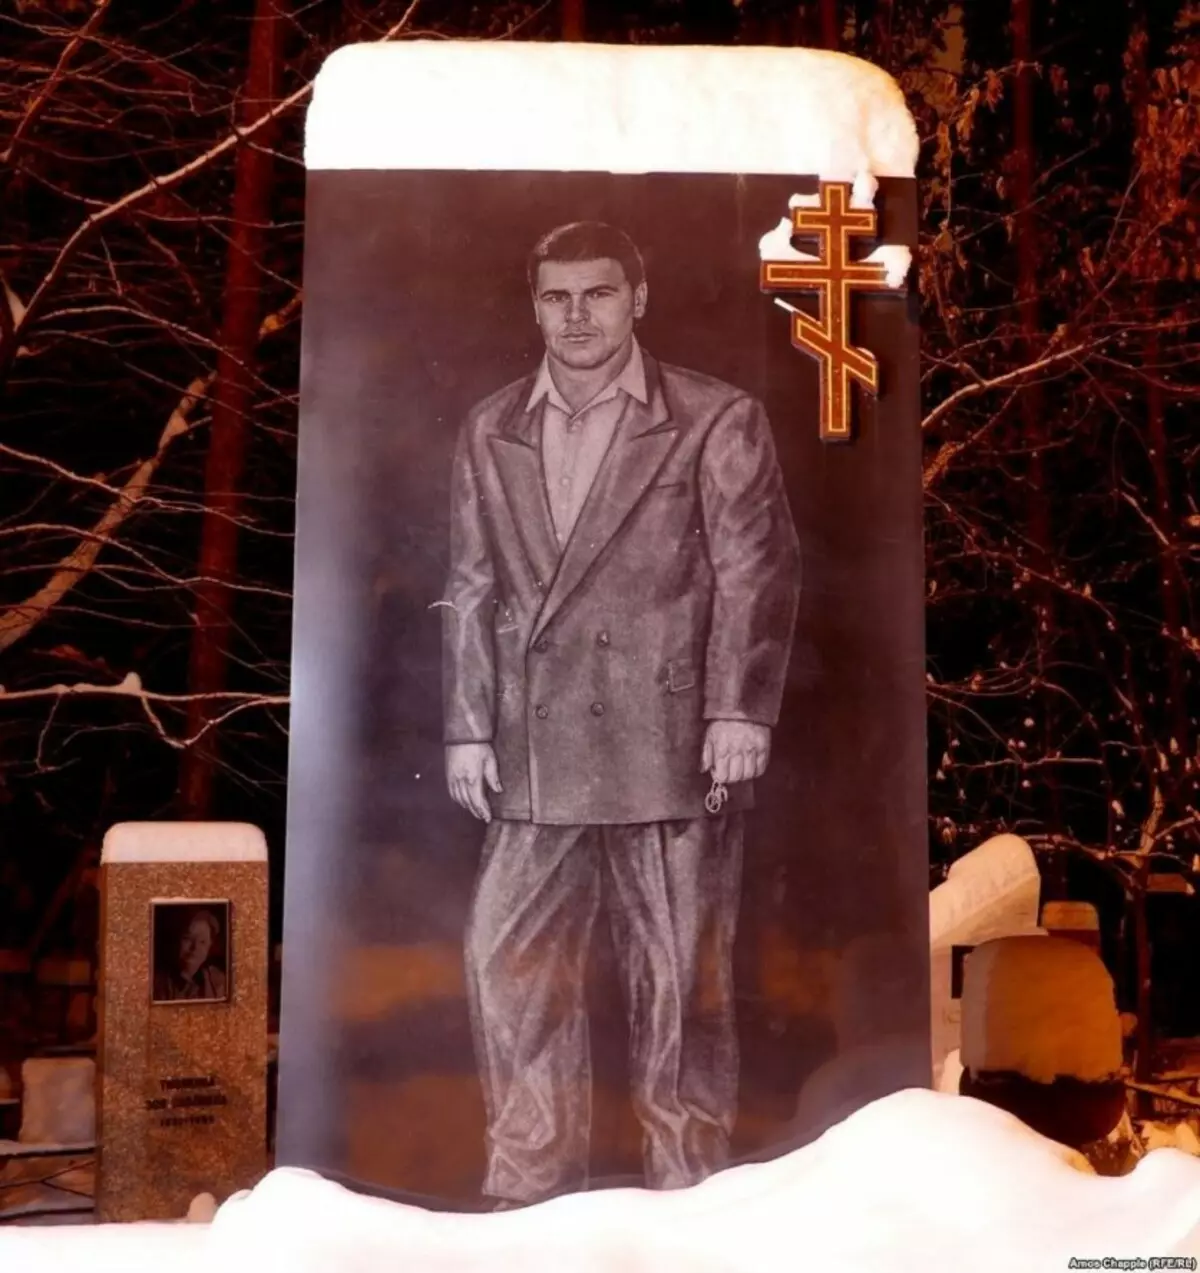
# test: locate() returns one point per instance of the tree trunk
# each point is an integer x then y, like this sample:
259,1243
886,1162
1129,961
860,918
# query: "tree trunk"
1034,433
1152,269
232,399
1143,1069
831,24
1168,563
574,19
881,34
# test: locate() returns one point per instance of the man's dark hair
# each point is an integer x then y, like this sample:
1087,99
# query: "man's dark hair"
588,241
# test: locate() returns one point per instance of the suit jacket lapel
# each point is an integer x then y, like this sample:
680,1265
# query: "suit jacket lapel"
644,437
517,450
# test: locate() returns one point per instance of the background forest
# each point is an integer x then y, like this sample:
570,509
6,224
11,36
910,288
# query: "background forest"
151,204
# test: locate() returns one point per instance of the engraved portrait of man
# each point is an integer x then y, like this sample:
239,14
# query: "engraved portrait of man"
617,624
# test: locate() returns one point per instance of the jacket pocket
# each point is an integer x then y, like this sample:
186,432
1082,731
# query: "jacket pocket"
681,675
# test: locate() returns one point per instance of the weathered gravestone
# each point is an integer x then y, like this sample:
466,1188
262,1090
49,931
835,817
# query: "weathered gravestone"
181,1106
609,591
992,891
50,1167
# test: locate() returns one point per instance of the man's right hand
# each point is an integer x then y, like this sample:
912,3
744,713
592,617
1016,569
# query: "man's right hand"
468,767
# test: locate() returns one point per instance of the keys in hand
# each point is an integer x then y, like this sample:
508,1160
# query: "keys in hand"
735,750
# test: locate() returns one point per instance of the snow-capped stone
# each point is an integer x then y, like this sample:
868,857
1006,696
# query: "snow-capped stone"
495,105
1042,1007
992,891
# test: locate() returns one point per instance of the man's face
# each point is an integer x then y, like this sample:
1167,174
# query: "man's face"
586,310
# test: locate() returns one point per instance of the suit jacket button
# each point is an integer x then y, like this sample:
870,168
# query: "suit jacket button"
597,709
541,711
601,638
541,645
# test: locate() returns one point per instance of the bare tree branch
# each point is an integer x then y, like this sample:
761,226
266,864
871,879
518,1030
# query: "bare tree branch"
1006,378
159,185
42,97
19,620
130,688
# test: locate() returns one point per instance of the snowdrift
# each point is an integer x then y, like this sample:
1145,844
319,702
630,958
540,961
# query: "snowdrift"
918,1180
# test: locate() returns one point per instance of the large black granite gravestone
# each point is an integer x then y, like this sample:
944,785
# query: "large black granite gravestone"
448,983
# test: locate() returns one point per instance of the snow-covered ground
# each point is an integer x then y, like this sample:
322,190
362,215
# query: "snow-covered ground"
917,1181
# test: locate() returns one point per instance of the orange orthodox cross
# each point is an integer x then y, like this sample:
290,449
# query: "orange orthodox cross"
833,276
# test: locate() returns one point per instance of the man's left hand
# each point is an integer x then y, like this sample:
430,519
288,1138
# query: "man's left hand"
735,750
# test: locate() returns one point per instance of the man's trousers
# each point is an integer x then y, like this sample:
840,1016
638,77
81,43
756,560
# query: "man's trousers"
671,890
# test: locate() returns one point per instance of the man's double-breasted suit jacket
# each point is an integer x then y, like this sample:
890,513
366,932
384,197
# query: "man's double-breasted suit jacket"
593,670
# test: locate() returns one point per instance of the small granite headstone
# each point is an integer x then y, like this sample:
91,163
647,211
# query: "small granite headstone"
181,1090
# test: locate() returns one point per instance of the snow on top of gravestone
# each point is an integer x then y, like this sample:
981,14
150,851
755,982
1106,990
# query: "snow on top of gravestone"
608,108
184,842
999,879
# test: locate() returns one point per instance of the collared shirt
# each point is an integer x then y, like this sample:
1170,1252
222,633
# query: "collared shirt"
574,443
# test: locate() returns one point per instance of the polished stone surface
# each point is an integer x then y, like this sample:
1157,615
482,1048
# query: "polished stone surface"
417,307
